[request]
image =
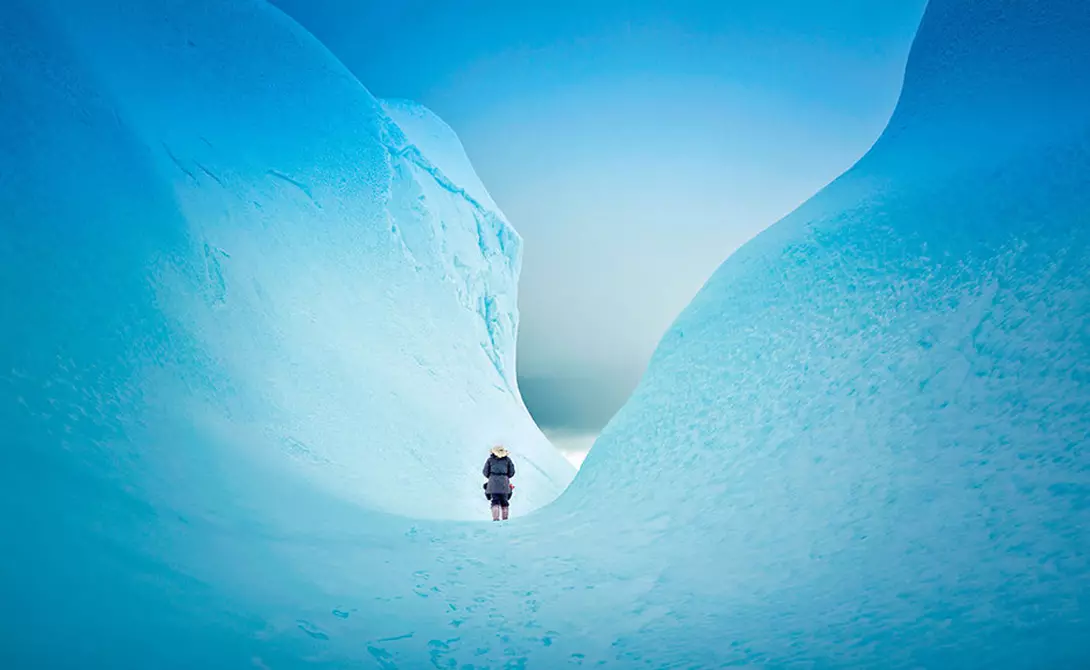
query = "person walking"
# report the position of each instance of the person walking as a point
(499, 469)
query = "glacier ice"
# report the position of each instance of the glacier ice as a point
(237, 302)
(225, 265)
(870, 426)
(282, 256)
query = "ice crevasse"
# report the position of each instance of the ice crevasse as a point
(253, 319)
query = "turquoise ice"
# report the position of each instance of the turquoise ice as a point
(258, 328)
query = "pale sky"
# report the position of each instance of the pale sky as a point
(633, 144)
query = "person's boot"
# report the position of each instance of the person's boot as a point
(504, 513)
(495, 512)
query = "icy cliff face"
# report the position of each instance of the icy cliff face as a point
(872, 421)
(239, 305)
(216, 242)
(457, 228)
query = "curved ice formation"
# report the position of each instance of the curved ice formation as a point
(869, 431)
(481, 254)
(225, 252)
(222, 262)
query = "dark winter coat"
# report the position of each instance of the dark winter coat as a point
(499, 472)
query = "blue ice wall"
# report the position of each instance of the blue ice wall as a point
(237, 304)
(228, 219)
(868, 433)
(233, 311)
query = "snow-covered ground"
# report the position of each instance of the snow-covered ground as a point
(258, 330)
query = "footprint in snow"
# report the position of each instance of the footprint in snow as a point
(311, 630)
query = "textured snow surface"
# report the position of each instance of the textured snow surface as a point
(868, 433)
(254, 318)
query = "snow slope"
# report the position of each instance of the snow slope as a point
(869, 431)
(863, 444)
(236, 299)
(301, 282)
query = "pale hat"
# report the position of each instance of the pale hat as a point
(499, 451)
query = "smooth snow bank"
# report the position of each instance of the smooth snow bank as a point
(868, 434)
(216, 245)
(229, 324)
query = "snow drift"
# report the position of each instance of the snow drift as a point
(236, 297)
(286, 273)
(869, 429)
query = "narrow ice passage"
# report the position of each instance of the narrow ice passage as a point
(253, 318)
